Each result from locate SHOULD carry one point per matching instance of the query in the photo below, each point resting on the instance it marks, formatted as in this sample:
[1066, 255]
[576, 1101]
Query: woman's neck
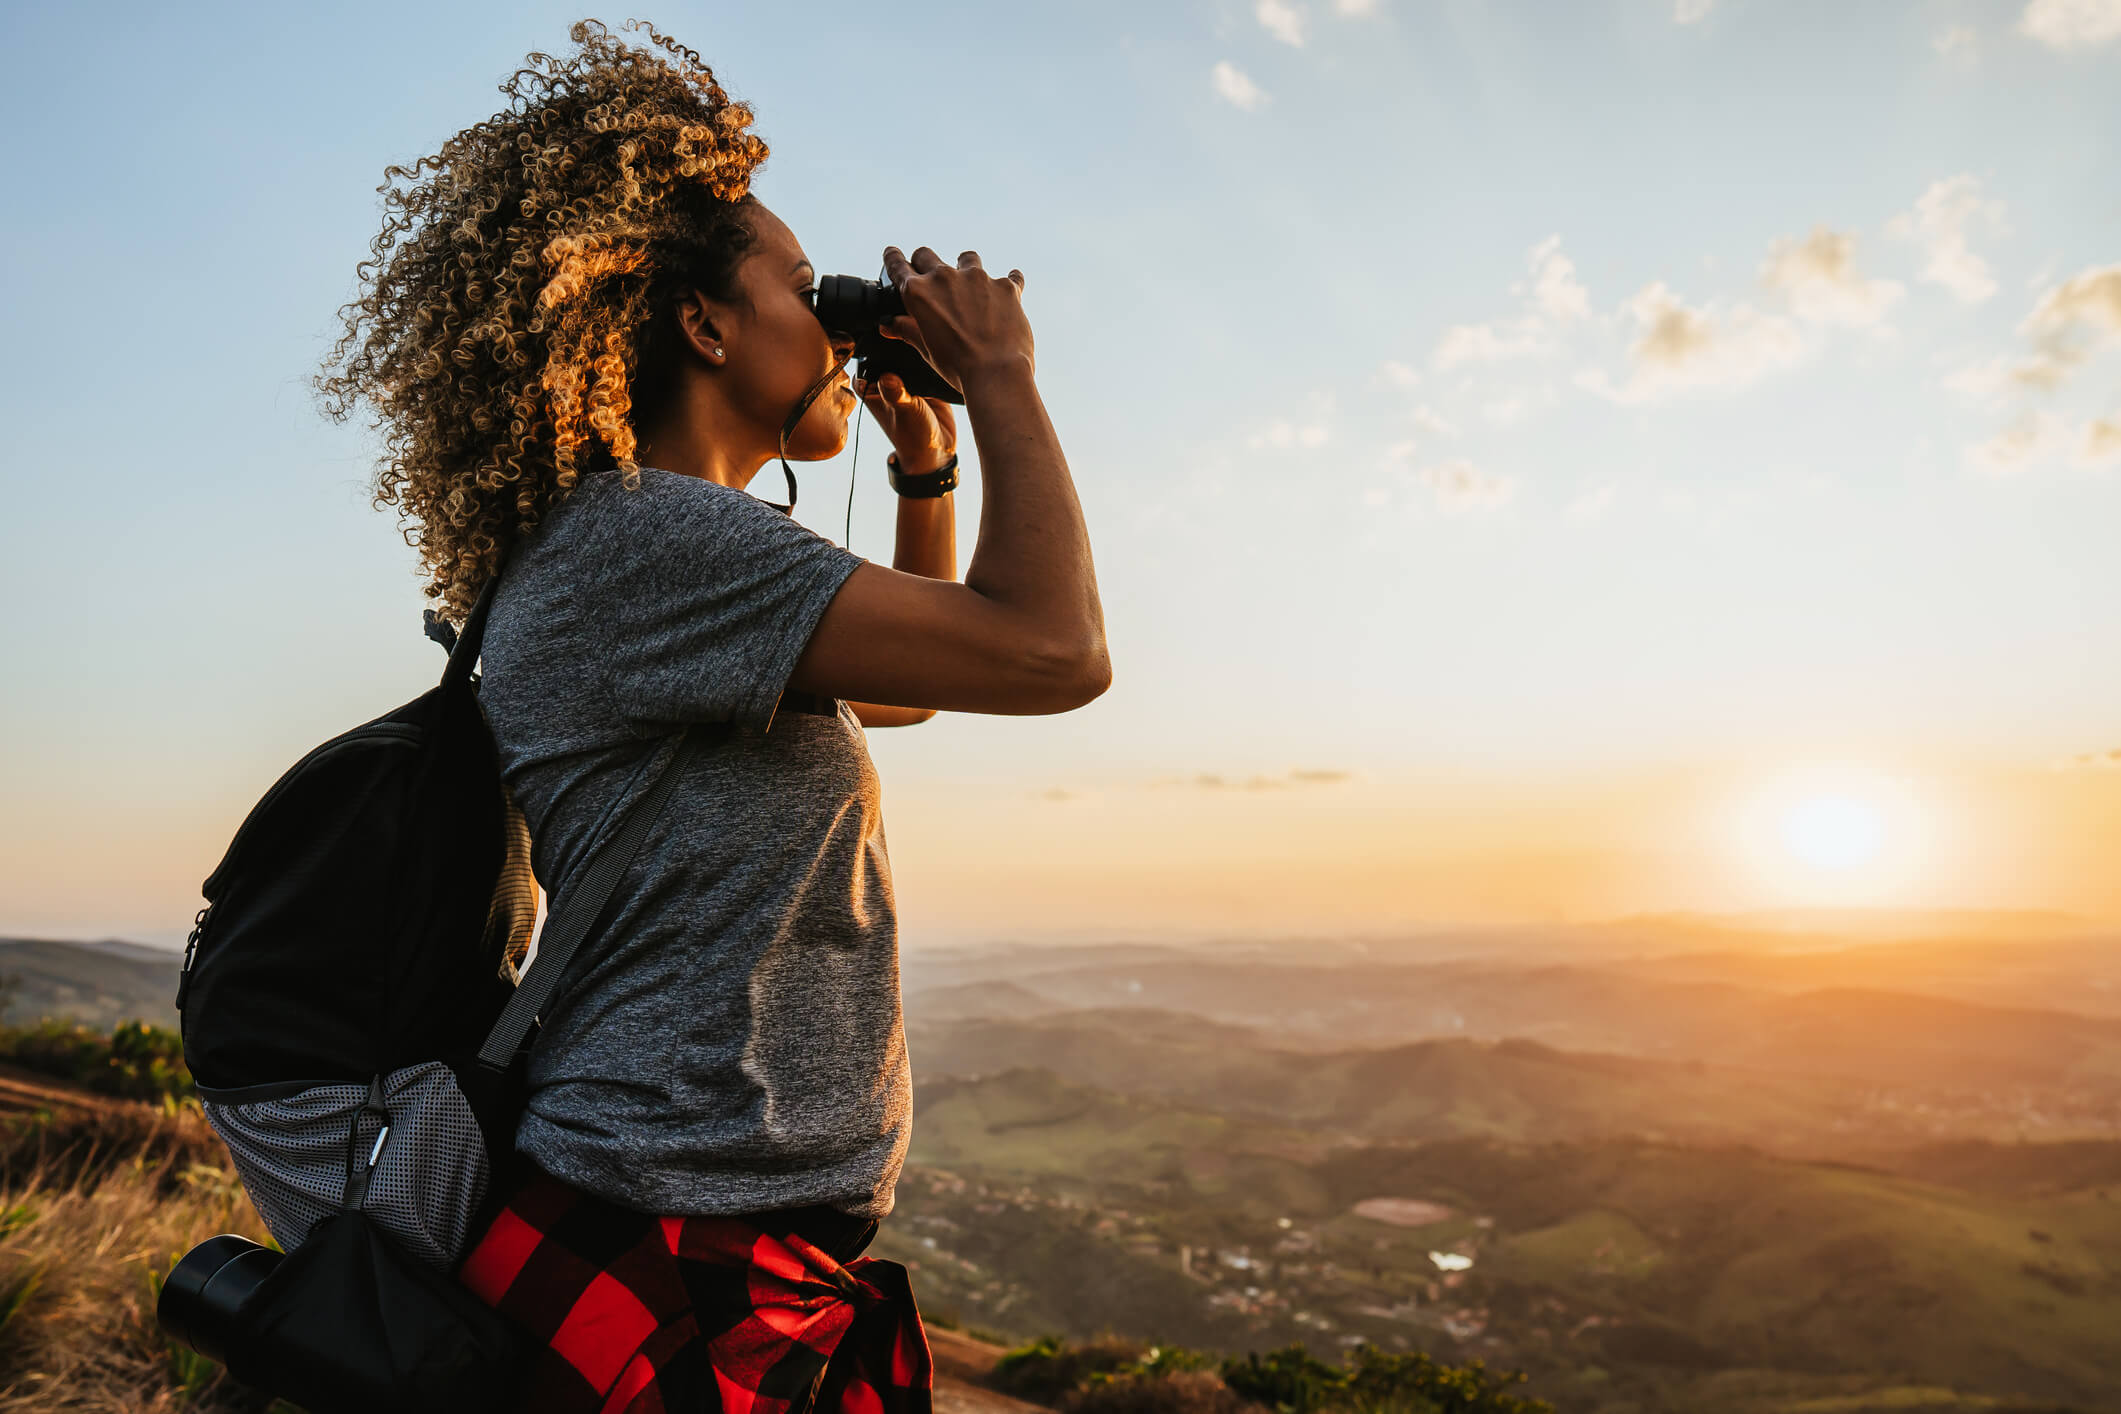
[696, 439]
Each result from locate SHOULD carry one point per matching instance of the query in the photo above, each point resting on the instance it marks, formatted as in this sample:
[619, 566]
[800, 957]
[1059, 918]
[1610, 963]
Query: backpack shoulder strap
[575, 914]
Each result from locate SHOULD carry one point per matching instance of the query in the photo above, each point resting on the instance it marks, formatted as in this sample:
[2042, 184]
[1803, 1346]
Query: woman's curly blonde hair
[506, 338]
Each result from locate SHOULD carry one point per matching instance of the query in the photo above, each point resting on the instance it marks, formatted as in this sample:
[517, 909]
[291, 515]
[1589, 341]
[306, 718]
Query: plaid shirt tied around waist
[648, 1315]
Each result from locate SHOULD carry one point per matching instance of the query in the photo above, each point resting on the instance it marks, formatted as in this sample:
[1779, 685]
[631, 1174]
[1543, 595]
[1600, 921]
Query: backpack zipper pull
[191, 951]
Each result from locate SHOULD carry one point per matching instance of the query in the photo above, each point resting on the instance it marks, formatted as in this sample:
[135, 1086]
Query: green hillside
[1623, 1274]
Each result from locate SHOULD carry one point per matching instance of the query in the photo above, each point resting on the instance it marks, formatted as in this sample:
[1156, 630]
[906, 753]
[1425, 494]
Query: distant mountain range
[100, 984]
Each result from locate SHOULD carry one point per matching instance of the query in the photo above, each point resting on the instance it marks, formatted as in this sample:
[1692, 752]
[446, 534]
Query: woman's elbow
[1065, 677]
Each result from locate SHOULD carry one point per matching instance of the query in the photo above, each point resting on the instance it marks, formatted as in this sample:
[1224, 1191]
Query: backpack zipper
[191, 950]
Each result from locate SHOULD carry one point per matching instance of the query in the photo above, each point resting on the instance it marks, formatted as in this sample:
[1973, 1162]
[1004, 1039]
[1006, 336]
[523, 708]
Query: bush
[1114, 1377]
[1172, 1392]
[135, 1062]
[1050, 1367]
[1293, 1381]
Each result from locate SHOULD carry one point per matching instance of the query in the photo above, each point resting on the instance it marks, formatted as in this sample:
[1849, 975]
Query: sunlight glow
[1826, 834]
[1833, 832]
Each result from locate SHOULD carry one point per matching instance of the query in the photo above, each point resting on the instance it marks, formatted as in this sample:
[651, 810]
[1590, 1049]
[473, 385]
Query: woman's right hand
[964, 321]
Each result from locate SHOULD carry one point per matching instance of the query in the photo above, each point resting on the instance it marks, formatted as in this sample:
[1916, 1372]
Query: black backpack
[352, 1020]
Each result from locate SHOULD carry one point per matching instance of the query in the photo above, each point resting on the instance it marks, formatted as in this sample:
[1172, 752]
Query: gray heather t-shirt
[730, 1038]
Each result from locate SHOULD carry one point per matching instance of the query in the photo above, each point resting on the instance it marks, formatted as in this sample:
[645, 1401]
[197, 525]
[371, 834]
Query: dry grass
[97, 1202]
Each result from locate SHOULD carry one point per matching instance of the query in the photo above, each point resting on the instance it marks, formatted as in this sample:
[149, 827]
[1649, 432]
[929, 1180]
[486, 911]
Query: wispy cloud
[2072, 24]
[1552, 296]
[2032, 438]
[2069, 324]
[1957, 42]
[1555, 290]
[1282, 20]
[1399, 375]
[1678, 349]
[1459, 487]
[1292, 780]
[2081, 313]
[1818, 275]
[1282, 435]
[1355, 9]
[1939, 221]
[2094, 761]
[1235, 86]
[1689, 12]
[1429, 420]
[2102, 441]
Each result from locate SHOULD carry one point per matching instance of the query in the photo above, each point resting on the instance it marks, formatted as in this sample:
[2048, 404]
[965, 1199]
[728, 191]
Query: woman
[581, 338]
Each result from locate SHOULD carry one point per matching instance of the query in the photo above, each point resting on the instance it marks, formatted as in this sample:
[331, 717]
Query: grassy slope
[1693, 1259]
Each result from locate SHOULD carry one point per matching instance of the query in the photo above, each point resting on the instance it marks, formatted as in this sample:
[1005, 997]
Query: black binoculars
[852, 307]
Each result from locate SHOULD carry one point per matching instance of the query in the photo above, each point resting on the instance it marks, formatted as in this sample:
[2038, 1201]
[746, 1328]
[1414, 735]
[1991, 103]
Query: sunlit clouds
[2072, 24]
[1282, 20]
[1941, 222]
[1680, 348]
[1818, 274]
[1234, 86]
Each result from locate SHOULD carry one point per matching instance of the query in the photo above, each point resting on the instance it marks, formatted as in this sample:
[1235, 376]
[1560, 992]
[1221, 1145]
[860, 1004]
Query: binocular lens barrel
[848, 304]
[206, 1291]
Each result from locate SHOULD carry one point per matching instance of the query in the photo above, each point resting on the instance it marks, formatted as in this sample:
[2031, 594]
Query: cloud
[2102, 441]
[2033, 438]
[2095, 761]
[1988, 382]
[1460, 487]
[1490, 343]
[1956, 42]
[1818, 274]
[1555, 290]
[1938, 221]
[1506, 410]
[1235, 85]
[2090, 301]
[1431, 421]
[1688, 12]
[1553, 296]
[1680, 349]
[1291, 781]
[2072, 24]
[1399, 375]
[1282, 435]
[1282, 20]
[1355, 9]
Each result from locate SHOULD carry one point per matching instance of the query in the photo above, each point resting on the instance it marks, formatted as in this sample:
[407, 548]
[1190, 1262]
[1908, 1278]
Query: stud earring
[717, 351]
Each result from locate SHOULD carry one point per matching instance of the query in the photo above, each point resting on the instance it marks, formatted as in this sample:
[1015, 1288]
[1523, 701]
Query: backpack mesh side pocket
[291, 1152]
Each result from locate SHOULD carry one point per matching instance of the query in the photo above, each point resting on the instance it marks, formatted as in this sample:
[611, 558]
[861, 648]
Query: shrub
[1293, 1381]
[1172, 1392]
[1050, 1367]
[135, 1062]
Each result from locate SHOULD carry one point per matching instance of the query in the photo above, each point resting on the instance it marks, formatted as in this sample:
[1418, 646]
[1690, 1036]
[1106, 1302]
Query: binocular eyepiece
[852, 307]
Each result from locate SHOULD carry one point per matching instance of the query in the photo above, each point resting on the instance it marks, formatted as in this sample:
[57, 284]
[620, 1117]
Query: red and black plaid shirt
[647, 1315]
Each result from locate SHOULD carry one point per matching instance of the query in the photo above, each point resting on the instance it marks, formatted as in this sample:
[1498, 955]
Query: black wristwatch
[925, 486]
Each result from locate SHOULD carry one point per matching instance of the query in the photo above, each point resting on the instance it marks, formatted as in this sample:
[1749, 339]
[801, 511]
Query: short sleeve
[705, 597]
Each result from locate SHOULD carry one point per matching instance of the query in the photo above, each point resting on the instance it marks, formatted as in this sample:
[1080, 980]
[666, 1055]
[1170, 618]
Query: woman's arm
[1025, 632]
[926, 546]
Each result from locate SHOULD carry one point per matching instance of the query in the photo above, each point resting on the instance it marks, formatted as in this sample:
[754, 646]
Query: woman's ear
[700, 327]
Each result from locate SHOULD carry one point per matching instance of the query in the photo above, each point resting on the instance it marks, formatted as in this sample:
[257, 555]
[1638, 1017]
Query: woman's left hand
[922, 430]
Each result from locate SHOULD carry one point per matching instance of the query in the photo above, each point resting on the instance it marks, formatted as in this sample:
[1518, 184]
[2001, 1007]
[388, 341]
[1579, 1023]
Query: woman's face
[776, 351]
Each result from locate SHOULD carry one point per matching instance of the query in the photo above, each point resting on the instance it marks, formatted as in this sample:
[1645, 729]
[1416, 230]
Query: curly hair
[512, 321]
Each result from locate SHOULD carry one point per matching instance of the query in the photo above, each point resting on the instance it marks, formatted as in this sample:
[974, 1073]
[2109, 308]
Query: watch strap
[922, 485]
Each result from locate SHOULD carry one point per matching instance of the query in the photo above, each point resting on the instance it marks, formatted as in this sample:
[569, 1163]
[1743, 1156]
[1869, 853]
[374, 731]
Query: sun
[1831, 835]
[1835, 833]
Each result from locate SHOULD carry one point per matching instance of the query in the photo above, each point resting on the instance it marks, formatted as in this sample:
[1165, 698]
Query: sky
[1545, 462]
